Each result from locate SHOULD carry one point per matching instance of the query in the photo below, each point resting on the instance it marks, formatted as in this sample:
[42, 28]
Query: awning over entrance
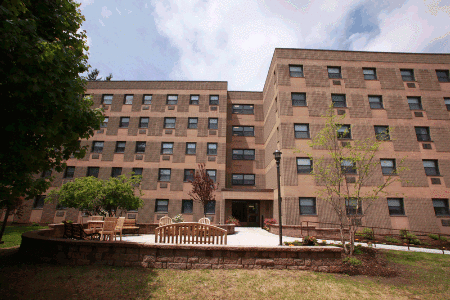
[257, 194]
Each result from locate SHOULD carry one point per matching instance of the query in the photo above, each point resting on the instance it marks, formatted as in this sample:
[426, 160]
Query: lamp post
[277, 155]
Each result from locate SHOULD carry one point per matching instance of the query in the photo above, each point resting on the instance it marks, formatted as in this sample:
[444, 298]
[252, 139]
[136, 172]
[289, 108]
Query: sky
[234, 40]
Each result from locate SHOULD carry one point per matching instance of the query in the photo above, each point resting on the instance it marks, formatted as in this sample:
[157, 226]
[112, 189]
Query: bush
[294, 243]
[409, 237]
[268, 222]
[233, 220]
[309, 241]
[436, 237]
[366, 233]
[353, 261]
[35, 224]
[178, 218]
[392, 240]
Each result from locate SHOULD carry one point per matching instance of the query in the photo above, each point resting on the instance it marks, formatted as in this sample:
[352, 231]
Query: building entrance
[247, 212]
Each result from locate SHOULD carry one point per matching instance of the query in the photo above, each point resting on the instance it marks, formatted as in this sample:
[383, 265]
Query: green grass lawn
[421, 276]
[13, 235]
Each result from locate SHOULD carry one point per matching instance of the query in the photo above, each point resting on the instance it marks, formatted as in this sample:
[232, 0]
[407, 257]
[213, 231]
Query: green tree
[97, 196]
[203, 187]
[347, 172]
[93, 76]
[43, 112]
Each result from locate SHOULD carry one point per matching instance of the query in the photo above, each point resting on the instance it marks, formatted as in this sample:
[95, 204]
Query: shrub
[294, 243]
[366, 233]
[392, 240]
[436, 237]
[270, 222]
[233, 220]
[309, 241]
[178, 218]
[353, 261]
[35, 224]
[409, 237]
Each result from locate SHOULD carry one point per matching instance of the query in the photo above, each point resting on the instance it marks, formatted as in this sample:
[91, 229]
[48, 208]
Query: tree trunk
[341, 230]
[2, 231]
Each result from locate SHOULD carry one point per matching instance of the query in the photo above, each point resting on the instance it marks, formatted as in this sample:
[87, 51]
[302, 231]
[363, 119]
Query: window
[369, 74]
[243, 154]
[187, 207]
[295, 71]
[423, 134]
[169, 122]
[213, 123]
[344, 132]
[191, 148]
[307, 206]
[243, 109]
[97, 147]
[443, 75]
[210, 207]
[166, 148]
[120, 147]
[128, 99]
[143, 122]
[298, 99]
[192, 123]
[124, 122]
[353, 206]
[243, 131]
[348, 167]
[39, 202]
[301, 131]
[188, 175]
[107, 99]
[382, 133]
[375, 102]
[116, 172]
[243, 179]
[161, 205]
[441, 207]
[212, 149]
[447, 103]
[388, 166]
[93, 171]
[431, 167]
[46, 174]
[194, 100]
[137, 171]
[213, 100]
[147, 100]
[334, 72]
[105, 123]
[164, 175]
[70, 172]
[407, 74]
[140, 147]
[304, 165]
[414, 103]
[212, 174]
[338, 100]
[172, 99]
[395, 206]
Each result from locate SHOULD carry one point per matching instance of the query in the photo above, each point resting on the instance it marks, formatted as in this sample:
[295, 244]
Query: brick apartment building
[163, 129]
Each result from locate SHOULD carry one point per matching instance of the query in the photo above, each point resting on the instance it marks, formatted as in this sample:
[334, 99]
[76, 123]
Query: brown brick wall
[414, 176]
[271, 178]
[222, 127]
[159, 85]
[155, 126]
[48, 212]
[260, 181]
[104, 173]
[318, 103]
[376, 214]
[316, 76]
[361, 132]
[222, 103]
[201, 153]
[427, 80]
[203, 102]
[289, 171]
[271, 146]
[259, 158]
[27, 207]
[326, 213]
[183, 103]
[117, 102]
[397, 107]
[152, 152]
[390, 79]
[80, 172]
[147, 211]
[283, 76]
[232, 95]
[270, 122]
[268, 96]
[404, 139]
[314, 130]
[285, 104]
[159, 103]
[179, 152]
[441, 138]
[202, 127]
[181, 126]
[88, 149]
[291, 210]
[113, 126]
[97, 99]
[444, 169]
[149, 179]
[435, 108]
[221, 153]
[359, 106]
[221, 177]
[176, 180]
[259, 135]
[133, 127]
[259, 114]
[353, 77]
[419, 212]
[137, 102]
[374, 176]
[287, 135]
[108, 150]
[130, 149]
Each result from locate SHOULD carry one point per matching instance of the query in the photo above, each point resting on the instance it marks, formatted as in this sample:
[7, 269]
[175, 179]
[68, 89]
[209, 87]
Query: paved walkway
[254, 236]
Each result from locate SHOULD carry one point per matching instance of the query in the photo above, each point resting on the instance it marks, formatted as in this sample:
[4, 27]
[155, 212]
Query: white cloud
[106, 12]
[84, 3]
[118, 11]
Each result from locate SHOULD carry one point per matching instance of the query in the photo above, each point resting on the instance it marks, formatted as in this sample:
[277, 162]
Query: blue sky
[234, 40]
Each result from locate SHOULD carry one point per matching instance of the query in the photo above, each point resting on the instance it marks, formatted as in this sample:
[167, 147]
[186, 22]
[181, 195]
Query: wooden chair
[111, 219]
[119, 227]
[97, 218]
[109, 229]
[165, 221]
[76, 231]
[203, 221]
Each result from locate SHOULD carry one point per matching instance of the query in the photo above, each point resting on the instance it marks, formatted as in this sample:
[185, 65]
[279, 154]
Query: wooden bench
[76, 231]
[190, 233]
[130, 224]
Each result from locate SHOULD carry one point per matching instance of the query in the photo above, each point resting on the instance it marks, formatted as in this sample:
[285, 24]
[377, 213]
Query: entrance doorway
[247, 212]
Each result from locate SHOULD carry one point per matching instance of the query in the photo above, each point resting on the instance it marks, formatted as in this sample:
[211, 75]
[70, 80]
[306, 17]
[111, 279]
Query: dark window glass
[39, 201]
[307, 206]
[188, 175]
[169, 122]
[172, 99]
[212, 174]
[369, 74]
[375, 102]
[213, 100]
[120, 147]
[93, 171]
[243, 154]
[140, 147]
[210, 207]
[447, 103]
[164, 175]
[301, 131]
[304, 165]
[243, 109]
[128, 99]
[344, 132]
[423, 134]
[124, 122]
[298, 99]
[137, 171]
[116, 172]
[382, 133]
[441, 207]
[243, 131]
[147, 100]
[213, 123]
[387, 166]
[143, 122]
[243, 179]
[431, 167]
[107, 99]
[97, 147]
[187, 207]
[191, 148]
[166, 148]
[295, 71]
[70, 171]
[414, 103]
[334, 72]
[353, 207]
[443, 75]
[348, 167]
[212, 149]
[407, 75]
[395, 206]
[192, 123]
[105, 123]
[46, 174]
[194, 99]
[338, 100]
[161, 205]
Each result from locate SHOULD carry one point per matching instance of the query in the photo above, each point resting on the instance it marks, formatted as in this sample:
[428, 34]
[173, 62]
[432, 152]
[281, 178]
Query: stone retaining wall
[302, 231]
[41, 246]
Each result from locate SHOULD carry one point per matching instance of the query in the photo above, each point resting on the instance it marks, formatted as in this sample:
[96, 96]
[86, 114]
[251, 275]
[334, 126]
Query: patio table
[95, 224]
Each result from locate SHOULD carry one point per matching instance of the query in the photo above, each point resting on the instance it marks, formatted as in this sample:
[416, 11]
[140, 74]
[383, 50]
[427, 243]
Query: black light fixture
[277, 155]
